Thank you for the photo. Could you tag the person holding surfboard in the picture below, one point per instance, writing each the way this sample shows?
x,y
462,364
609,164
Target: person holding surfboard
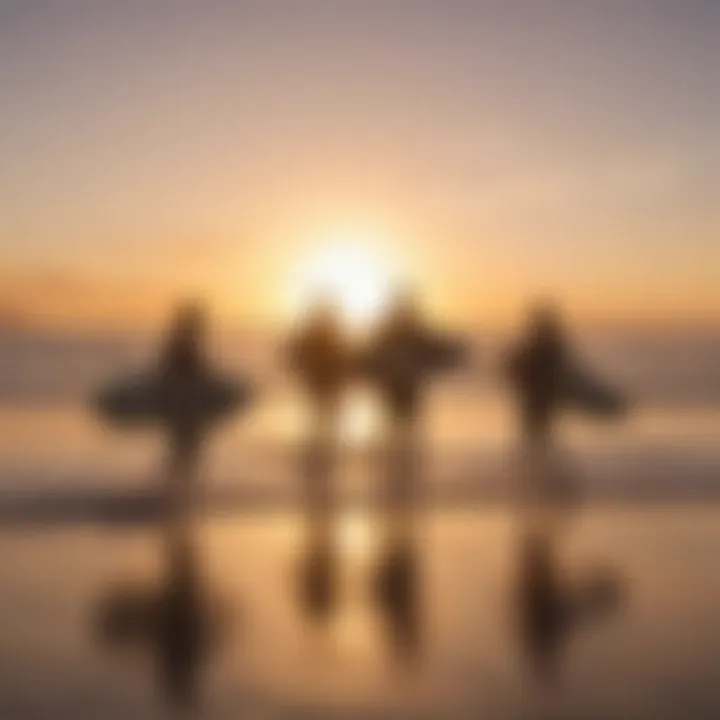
x,y
547,376
534,367
317,356
182,394
403,355
182,363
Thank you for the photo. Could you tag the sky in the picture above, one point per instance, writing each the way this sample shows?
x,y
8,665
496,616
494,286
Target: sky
x,y
487,152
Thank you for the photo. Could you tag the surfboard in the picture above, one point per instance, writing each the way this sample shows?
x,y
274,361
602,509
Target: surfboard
x,y
583,391
426,353
149,398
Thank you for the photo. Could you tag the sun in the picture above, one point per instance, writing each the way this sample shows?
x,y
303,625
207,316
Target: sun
x,y
348,267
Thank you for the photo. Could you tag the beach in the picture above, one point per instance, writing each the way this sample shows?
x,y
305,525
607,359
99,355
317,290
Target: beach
x,y
79,518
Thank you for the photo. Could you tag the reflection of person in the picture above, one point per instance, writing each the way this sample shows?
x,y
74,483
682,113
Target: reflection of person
x,y
177,622
551,608
535,368
541,605
397,595
181,635
318,574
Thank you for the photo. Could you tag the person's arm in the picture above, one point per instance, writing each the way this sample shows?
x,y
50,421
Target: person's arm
x,y
290,353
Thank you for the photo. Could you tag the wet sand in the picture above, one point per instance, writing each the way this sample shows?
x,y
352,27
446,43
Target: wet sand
x,y
655,656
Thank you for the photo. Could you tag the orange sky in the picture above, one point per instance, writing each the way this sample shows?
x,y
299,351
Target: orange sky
x,y
489,151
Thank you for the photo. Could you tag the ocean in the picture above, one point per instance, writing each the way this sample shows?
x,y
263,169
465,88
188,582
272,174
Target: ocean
x,y
667,448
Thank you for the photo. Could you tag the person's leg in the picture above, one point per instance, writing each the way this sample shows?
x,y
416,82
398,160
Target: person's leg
x,y
182,474
534,466
318,563
319,462
401,479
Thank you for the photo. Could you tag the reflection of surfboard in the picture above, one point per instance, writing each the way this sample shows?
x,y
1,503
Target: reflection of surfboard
x,y
149,398
586,393
114,505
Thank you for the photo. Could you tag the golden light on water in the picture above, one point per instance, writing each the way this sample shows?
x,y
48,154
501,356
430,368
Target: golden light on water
x,y
355,534
359,423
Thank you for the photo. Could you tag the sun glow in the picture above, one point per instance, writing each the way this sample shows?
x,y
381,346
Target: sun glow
x,y
350,269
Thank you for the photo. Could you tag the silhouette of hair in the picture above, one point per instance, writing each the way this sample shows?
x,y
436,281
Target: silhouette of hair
x,y
404,311
545,321
185,341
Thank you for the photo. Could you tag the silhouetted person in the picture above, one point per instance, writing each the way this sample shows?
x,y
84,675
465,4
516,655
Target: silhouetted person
x,y
184,353
395,360
535,366
183,364
317,355
182,395
400,360
178,623
550,608
403,355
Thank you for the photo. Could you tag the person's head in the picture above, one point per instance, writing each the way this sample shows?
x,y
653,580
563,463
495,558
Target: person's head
x,y
189,323
322,314
544,320
404,312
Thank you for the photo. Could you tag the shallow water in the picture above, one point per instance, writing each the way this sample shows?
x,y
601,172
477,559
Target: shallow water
x,y
666,449
655,656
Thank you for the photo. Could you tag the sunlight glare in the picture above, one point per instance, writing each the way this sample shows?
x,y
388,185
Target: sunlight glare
x,y
350,269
